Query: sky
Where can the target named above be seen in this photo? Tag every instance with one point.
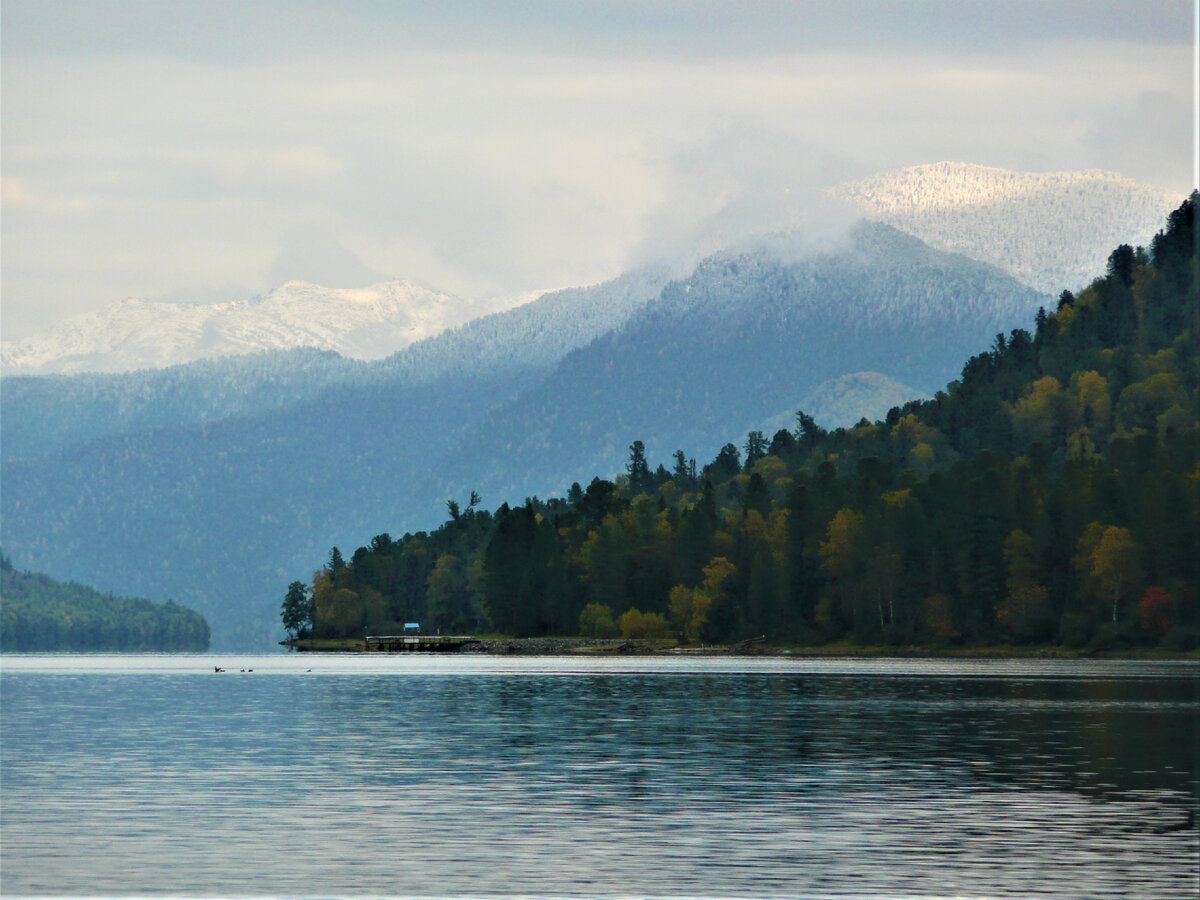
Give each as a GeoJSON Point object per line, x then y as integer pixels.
{"type": "Point", "coordinates": [212, 150]}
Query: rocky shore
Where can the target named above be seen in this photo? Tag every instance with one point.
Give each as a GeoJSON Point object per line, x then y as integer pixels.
{"type": "Point", "coordinates": [565, 646]}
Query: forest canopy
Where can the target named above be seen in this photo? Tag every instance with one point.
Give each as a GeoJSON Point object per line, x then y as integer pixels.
{"type": "Point", "coordinates": [1051, 494]}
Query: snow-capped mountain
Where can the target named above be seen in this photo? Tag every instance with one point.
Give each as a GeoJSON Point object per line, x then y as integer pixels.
{"type": "Point", "coordinates": [1051, 230]}
{"type": "Point", "coordinates": [363, 323]}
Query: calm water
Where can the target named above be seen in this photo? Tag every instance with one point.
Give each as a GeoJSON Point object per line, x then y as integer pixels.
{"type": "Point", "coordinates": [551, 777]}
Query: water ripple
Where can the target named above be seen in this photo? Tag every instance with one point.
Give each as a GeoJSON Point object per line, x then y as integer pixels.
{"type": "Point", "coordinates": [581, 779]}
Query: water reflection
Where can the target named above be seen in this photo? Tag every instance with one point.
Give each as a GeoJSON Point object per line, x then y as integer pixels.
{"type": "Point", "coordinates": [543, 781]}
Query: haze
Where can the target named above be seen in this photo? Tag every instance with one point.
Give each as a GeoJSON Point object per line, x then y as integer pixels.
{"type": "Point", "coordinates": [203, 150]}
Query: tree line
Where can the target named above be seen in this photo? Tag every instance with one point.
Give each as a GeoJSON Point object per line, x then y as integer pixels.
{"type": "Point", "coordinates": [1051, 494]}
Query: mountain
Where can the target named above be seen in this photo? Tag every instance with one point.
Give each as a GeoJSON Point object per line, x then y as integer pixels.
{"type": "Point", "coordinates": [47, 413]}
{"type": "Point", "coordinates": [747, 335]}
{"type": "Point", "coordinates": [843, 401]}
{"type": "Point", "coordinates": [1052, 231]}
{"type": "Point", "coordinates": [221, 512]}
{"type": "Point", "coordinates": [363, 323]}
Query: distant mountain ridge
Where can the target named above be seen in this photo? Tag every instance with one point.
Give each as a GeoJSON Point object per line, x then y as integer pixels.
{"type": "Point", "coordinates": [44, 414]}
{"type": "Point", "coordinates": [841, 402]}
{"type": "Point", "coordinates": [1050, 230]}
{"type": "Point", "coordinates": [360, 323]}
{"type": "Point", "coordinates": [501, 353]}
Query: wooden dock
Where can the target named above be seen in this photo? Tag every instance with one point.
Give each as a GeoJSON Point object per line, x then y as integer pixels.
{"type": "Point", "coordinates": [416, 643]}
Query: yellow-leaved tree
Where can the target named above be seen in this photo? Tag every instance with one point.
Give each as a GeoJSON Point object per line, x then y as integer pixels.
{"type": "Point", "coordinates": [1025, 609]}
{"type": "Point", "coordinates": [688, 610]}
{"type": "Point", "coordinates": [647, 626]}
{"type": "Point", "coordinates": [841, 557]}
{"type": "Point", "coordinates": [1107, 558]}
{"type": "Point", "coordinates": [1115, 565]}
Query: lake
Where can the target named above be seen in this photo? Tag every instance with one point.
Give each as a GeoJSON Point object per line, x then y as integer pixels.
{"type": "Point", "coordinates": [461, 776]}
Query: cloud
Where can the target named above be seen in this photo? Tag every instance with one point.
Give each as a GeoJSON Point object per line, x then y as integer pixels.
{"type": "Point", "coordinates": [746, 181]}
{"type": "Point", "coordinates": [1143, 137]}
{"type": "Point", "coordinates": [275, 30]}
{"type": "Point", "coordinates": [315, 255]}
{"type": "Point", "coordinates": [150, 149]}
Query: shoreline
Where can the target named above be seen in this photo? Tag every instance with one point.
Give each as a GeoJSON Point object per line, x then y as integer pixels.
{"type": "Point", "coordinates": [567, 646]}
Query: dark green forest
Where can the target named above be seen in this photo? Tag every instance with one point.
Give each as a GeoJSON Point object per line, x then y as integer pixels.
{"type": "Point", "coordinates": [39, 614]}
{"type": "Point", "coordinates": [1050, 495]}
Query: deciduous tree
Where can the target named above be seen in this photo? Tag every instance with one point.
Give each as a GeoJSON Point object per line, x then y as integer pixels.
{"type": "Point", "coordinates": [596, 621]}
{"type": "Point", "coordinates": [1114, 564]}
{"type": "Point", "coordinates": [1154, 611]}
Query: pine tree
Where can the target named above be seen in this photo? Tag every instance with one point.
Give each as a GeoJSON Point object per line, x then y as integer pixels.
{"type": "Point", "coordinates": [641, 481]}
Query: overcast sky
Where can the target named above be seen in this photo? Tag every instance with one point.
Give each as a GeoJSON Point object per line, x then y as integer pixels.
{"type": "Point", "coordinates": [213, 150]}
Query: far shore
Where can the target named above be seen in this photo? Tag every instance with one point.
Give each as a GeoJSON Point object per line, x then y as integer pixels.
{"type": "Point", "coordinates": [559, 646]}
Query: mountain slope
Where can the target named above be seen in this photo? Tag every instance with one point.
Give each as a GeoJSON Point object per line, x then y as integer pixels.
{"type": "Point", "coordinates": [744, 337]}
{"type": "Point", "coordinates": [1052, 231]}
{"type": "Point", "coordinates": [44, 414]}
{"type": "Point", "coordinates": [843, 401]}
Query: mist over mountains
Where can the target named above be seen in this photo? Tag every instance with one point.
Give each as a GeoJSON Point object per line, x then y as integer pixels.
{"type": "Point", "coordinates": [44, 414]}
{"type": "Point", "coordinates": [219, 481]}
{"type": "Point", "coordinates": [1049, 230]}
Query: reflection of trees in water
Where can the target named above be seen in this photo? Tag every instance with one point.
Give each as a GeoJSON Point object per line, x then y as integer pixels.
{"type": "Point", "coordinates": [637, 737]}
{"type": "Point", "coordinates": [1101, 738]}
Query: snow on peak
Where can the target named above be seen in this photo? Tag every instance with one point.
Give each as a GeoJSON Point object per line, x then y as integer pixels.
{"type": "Point", "coordinates": [953, 185]}
{"type": "Point", "coordinates": [1051, 230]}
{"type": "Point", "coordinates": [362, 323]}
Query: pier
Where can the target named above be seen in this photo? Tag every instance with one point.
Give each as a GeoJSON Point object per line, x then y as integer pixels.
{"type": "Point", "coordinates": [416, 643]}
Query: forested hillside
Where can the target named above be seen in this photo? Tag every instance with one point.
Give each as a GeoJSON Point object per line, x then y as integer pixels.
{"type": "Point", "coordinates": [39, 614]}
{"type": "Point", "coordinates": [1049, 494]}
{"type": "Point", "coordinates": [47, 414]}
